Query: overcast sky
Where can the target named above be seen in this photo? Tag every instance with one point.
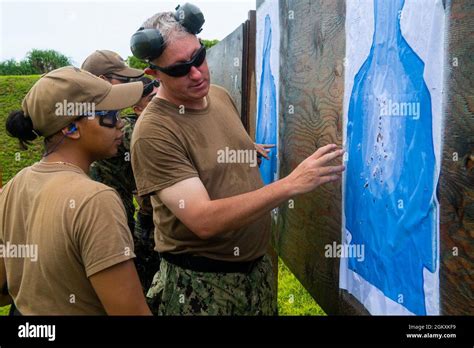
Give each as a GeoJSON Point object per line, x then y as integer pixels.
{"type": "Point", "coordinates": [77, 28]}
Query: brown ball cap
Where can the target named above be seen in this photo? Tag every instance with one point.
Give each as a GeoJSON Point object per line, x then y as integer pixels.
{"type": "Point", "coordinates": [103, 62]}
{"type": "Point", "coordinates": [73, 86]}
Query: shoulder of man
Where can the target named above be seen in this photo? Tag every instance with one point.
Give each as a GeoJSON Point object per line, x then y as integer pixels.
{"type": "Point", "coordinates": [154, 124]}
{"type": "Point", "coordinates": [219, 92]}
{"type": "Point", "coordinates": [218, 89]}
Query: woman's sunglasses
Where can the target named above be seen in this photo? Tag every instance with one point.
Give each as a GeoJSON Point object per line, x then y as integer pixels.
{"type": "Point", "coordinates": [107, 118]}
{"type": "Point", "coordinates": [182, 69]}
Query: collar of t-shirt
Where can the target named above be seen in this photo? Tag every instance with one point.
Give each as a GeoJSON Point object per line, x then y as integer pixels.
{"type": "Point", "coordinates": [51, 167]}
{"type": "Point", "coordinates": [180, 108]}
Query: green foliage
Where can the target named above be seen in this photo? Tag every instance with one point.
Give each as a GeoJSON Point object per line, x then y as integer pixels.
{"type": "Point", "coordinates": [12, 67]}
{"type": "Point", "coordinates": [134, 62]}
{"type": "Point", "coordinates": [293, 299]}
{"type": "Point", "coordinates": [36, 62]}
{"type": "Point", "coordinates": [4, 310]}
{"type": "Point", "coordinates": [209, 43]}
{"type": "Point", "coordinates": [12, 159]}
{"type": "Point", "coordinates": [45, 61]}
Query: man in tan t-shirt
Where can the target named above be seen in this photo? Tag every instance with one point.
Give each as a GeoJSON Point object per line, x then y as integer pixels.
{"type": "Point", "coordinates": [65, 247]}
{"type": "Point", "coordinates": [191, 153]}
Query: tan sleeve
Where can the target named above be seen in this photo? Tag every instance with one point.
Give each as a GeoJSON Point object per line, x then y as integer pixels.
{"type": "Point", "coordinates": [101, 232]}
{"type": "Point", "coordinates": [159, 163]}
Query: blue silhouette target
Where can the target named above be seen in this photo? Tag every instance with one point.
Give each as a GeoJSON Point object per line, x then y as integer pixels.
{"type": "Point", "coordinates": [390, 187]}
{"type": "Point", "coordinates": [266, 132]}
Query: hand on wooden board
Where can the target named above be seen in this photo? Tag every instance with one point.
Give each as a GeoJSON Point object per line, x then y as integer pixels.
{"type": "Point", "coordinates": [316, 170]}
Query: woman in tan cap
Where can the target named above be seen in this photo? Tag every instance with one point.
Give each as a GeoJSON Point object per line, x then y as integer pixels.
{"type": "Point", "coordinates": [66, 245]}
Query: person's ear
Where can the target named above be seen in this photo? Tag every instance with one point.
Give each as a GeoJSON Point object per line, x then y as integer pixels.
{"type": "Point", "coordinates": [137, 109]}
{"type": "Point", "coordinates": [152, 72]}
{"type": "Point", "coordinates": [71, 131]}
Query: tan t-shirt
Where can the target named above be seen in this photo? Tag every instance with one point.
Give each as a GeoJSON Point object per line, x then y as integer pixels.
{"type": "Point", "coordinates": [78, 227]}
{"type": "Point", "coordinates": [169, 145]}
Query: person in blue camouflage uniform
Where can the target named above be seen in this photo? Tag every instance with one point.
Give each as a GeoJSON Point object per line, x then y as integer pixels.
{"type": "Point", "coordinates": [117, 172]}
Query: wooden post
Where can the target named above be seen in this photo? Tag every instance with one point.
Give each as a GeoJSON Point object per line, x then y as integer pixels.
{"type": "Point", "coordinates": [312, 54]}
{"type": "Point", "coordinates": [456, 185]}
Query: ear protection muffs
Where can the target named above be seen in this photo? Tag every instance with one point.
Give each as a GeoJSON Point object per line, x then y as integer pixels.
{"type": "Point", "coordinates": [148, 44]}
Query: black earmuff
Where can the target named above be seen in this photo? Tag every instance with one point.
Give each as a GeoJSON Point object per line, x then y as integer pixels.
{"type": "Point", "coordinates": [148, 44]}
{"type": "Point", "coordinates": [190, 17]}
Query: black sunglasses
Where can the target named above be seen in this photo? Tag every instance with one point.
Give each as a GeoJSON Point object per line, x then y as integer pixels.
{"type": "Point", "coordinates": [107, 118]}
{"type": "Point", "coordinates": [182, 69]}
{"type": "Point", "coordinates": [123, 79]}
{"type": "Point", "coordinates": [148, 88]}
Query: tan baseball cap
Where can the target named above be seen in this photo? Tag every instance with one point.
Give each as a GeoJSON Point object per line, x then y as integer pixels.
{"type": "Point", "coordinates": [103, 62]}
{"type": "Point", "coordinates": [60, 96]}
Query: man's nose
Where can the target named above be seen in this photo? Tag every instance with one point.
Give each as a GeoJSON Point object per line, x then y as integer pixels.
{"type": "Point", "coordinates": [195, 73]}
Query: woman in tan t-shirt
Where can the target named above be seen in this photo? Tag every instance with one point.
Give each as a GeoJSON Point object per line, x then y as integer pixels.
{"type": "Point", "coordinates": [65, 247]}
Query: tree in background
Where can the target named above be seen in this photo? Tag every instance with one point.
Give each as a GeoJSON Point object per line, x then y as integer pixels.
{"type": "Point", "coordinates": [209, 43]}
{"type": "Point", "coordinates": [36, 62]}
{"type": "Point", "coordinates": [136, 63]}
{"type": "Point", "coordinates": [46, 60]}
{"type": "Point", "coordinates": [12, 67]}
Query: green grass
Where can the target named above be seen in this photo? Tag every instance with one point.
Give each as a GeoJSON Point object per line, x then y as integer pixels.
{"type": "Point", "coordinates": [293, 299]}
{"type": "Point", "coordinates": [4, 310]}
{"type": "Point", "coordinates": [12, 91]}
{"type": "Point", "coordinates": [12, 159]}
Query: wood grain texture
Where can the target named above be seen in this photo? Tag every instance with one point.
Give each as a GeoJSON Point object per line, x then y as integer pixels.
{"type": "Point", "coordinates": [311, 80]}
{"type": "Point", "coordinates": [311, 70]}
{"type": "Point", "coordinates": [456, 185]}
